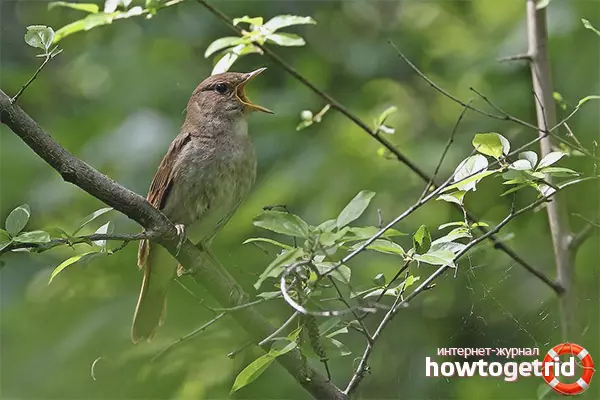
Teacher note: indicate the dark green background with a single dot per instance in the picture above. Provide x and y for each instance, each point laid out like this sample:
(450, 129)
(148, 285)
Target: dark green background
(115, 98)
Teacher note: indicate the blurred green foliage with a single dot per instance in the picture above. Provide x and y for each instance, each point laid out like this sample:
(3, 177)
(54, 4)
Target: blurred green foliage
(115, 97)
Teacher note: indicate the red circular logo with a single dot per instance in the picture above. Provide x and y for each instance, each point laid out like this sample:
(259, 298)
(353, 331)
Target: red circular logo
(568, 388)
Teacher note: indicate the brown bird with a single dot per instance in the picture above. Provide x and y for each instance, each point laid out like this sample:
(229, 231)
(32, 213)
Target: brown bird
(207, 172)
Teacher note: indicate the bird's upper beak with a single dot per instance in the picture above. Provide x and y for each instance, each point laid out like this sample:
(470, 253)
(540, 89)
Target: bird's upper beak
(241, 92)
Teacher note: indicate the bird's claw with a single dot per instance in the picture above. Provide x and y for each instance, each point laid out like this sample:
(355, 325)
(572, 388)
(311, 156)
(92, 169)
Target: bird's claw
(182, 237)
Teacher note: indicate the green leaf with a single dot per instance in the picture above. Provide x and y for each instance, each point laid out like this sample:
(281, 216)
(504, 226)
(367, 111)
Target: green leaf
(39, 36)
(327, 226)
(286, 257)
(68, 262)
(379, 279)
(256, 21)
(281, 347)
(457, 233)
(222, 43)
(331, 238)
(281, 21)
(341, 274)
(107, 228)
(469, 172)
(355, 208)
(454, 247)
(230, 56)
(478, 224)
(329, 325)
(521, 165)
(519, 187)
(87, 7)
(92, 217)
(282, 222)
(252, 371)
(589, 26)
(384, 246)
(491, 144)
(111, 6)
(422, 240)
(438, 257)
(85, 24)
(559, 171)
(366, 232)
(550, 159)
(286, 39)
(455, 197)
(269, 295)
(386, 114)
(586, 99)
(5, 239)
(449, 224)
(17, 219)
(267, 240)
(33, 237)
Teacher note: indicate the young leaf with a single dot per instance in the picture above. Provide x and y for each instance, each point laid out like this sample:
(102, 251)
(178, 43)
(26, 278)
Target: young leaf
(66, 263)
(5, 239)
(87, 7)
(530, 156)
(222, 43)
(491, 144)
(383, 246)
(341, 274)
(438, 257)
(282, 222)
(386, 114)
(541, 4)
(455, 197)
(17, 219)
(550, 159)
(286, 257)
(92, 217)
(355, 208)
(252, 371)
(589, 26)
(286, 39)
(422, 240)
(469, 172)
(365, 232)
(559, 171)
(448, 224)
(33, 237)
(267, 240)
(104, 229)
(281, 21)
(326, 226)
(256, 21)
(39, 36)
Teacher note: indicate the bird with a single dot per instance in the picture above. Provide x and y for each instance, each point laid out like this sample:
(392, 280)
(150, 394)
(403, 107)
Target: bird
(208, 170)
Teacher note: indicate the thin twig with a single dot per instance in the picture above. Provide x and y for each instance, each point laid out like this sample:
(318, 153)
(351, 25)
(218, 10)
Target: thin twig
(14, 99)
(365, 330)
(279, 330)
(86, 239)
(448, 144)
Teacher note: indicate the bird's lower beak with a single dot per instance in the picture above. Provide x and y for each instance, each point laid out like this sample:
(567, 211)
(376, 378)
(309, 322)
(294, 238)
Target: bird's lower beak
(241, 92)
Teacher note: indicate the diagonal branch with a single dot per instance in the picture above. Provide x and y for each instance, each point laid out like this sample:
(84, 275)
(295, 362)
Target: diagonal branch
(205, 270)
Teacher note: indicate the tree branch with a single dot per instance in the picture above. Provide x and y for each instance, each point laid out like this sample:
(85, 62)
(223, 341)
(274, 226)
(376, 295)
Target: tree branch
(546, 116)
(217, 280)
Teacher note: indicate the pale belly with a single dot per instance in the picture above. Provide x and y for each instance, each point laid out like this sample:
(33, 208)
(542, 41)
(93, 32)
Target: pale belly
(209, 189)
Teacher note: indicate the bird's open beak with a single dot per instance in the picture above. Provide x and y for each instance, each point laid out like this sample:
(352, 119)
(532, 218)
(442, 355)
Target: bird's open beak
(240, 92)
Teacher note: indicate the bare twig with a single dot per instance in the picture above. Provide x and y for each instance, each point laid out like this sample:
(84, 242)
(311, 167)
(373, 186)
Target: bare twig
(443, 156)
(359, 319)
(279, 330)
(188, 336)
(86, 239)
(48, 57)
(517, 57)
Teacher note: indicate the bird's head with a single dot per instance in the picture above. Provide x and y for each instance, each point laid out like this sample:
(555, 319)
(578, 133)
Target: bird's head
(225, 94)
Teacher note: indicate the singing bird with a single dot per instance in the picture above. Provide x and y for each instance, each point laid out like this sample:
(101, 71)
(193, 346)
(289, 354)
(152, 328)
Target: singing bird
(207, 172)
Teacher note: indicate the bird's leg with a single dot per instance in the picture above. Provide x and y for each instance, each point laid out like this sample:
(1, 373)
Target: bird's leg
(181, 271)
(182, 237)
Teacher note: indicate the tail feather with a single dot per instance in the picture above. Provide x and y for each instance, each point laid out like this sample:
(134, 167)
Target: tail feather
(151, 306)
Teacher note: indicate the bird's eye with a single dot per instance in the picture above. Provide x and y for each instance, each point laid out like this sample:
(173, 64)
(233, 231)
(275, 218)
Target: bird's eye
(221, 88)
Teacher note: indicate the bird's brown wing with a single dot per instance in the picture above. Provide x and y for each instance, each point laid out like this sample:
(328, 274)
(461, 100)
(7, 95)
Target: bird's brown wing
(161, 185)
(151, 306)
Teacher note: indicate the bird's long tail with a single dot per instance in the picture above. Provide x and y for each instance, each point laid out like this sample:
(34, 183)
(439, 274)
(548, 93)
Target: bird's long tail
(151, 306)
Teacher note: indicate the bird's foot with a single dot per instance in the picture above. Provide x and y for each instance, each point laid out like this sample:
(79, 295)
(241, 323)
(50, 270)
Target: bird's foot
(182, 237)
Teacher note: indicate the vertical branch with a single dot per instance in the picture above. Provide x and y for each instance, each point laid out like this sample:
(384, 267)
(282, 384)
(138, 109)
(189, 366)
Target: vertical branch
(537, 36)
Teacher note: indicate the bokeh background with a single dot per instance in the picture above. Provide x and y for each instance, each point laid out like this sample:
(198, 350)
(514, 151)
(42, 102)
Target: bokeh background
(115, 98)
